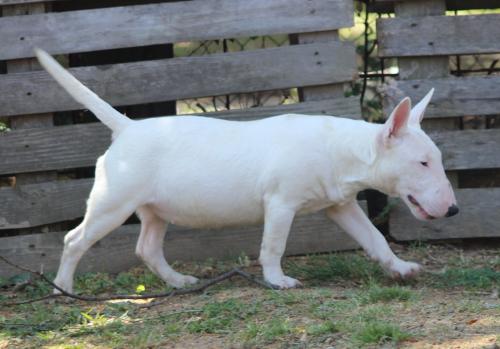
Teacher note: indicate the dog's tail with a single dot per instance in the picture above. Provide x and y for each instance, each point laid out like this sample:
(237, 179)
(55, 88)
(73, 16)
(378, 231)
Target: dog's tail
(112, 118)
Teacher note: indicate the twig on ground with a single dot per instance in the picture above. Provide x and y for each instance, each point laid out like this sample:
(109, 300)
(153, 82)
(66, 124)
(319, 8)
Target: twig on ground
(177, 292)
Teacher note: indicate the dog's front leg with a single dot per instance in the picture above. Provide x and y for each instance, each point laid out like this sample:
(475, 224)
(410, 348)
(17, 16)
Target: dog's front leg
(278, 221)
(353, 220)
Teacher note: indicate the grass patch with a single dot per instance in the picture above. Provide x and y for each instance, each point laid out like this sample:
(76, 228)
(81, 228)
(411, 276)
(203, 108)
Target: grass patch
(336, 266)
(221, 317)
(287, 298)
(379, 332)
(137, 280)
(268, 331)
(482, 278)
(347, 303)
(326, 327)
(36, 318)
(376, 293)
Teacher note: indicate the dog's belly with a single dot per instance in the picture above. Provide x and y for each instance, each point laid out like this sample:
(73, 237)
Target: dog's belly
(209, 214)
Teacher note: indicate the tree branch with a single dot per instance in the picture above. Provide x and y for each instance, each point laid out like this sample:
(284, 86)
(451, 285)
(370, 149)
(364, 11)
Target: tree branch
(177, 292)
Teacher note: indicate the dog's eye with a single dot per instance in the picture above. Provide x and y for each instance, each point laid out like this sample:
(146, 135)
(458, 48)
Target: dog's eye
(424, 163)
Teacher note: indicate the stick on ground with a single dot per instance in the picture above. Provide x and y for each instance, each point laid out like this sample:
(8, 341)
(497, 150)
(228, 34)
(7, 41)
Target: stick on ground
(177, 292)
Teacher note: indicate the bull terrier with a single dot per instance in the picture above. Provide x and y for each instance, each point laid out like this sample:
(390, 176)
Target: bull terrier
(207, 173)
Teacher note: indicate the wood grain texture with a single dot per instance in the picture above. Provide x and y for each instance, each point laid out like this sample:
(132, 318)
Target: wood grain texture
(450, 4)
(310, 234)
(32, 205)
(470, 149)
(320, 92)
(74, 146)
(456, 96)
(26, 65)
(141, 25)
(438, 35)
(478, 217)
(426, 67)
(177, 78)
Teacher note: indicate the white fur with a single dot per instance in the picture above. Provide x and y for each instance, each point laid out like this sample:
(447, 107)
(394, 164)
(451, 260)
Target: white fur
(207, 173)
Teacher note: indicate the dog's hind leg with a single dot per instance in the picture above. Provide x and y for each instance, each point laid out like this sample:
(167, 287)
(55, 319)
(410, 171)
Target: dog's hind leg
(353, 220)
(150, 249)
(277, 224)
(101, 218)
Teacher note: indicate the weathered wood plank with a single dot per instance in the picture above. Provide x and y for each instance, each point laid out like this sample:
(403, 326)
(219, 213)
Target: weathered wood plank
(438, 35)
(18, 2)
(32, 205)
(33, 120)
(456, 96)
(141, 25)
(317, 93)
(75, 146)
(177, 78)
(469, 149)
(387, 5)
(115, 253)
(478, 218)
(426, 67)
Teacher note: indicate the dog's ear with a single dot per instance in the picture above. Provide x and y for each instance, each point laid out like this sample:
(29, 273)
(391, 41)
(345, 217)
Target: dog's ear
(417, 113)
(397, 122)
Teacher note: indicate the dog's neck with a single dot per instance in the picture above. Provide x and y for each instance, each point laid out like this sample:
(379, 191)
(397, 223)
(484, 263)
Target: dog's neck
(357, 152)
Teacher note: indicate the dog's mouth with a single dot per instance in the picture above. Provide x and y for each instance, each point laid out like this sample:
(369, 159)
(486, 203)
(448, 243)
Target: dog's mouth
(419, 208)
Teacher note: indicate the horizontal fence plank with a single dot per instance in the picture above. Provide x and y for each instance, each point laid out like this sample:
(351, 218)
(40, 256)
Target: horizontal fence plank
(43, 203)
(18, 2)
(455, 96)
(177, 78)
(74, 146)
(348, 107)
(478, 218)
(438, 35)
(310, 234)
(388, 5)
(469, 149)
(141, 25)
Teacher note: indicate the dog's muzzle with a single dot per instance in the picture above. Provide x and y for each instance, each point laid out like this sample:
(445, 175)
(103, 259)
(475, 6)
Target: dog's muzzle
(452, 210)
(419, 207)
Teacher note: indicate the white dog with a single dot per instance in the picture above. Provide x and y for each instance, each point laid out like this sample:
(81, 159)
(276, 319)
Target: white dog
(208, 173)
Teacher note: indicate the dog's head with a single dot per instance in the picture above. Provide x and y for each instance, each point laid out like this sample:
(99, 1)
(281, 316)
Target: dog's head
(411, 163)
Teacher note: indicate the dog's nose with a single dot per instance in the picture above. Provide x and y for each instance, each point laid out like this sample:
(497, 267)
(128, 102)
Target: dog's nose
(452, 210)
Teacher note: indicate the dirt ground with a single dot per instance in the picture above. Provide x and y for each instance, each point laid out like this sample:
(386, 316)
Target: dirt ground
(346, 302)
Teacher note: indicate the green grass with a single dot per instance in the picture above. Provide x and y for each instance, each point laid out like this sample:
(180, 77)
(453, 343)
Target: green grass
(335, 267)
(267, 332)
(347, 302)
(376, 293)
(380, 332)
(326, 327)
(481, 278)
(221, 317)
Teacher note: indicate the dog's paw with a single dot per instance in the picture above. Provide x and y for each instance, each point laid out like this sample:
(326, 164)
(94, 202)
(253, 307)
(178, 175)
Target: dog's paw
(404, 270)
(66, 288)
(183, 281)
(285, 282)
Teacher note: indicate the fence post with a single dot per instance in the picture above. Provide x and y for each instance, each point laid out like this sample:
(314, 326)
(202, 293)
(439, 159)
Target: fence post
(33, 120)
(426, 67)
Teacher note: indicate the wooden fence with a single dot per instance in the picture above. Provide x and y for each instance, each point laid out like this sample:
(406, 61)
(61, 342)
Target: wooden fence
(47, 157)
(423, 38)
